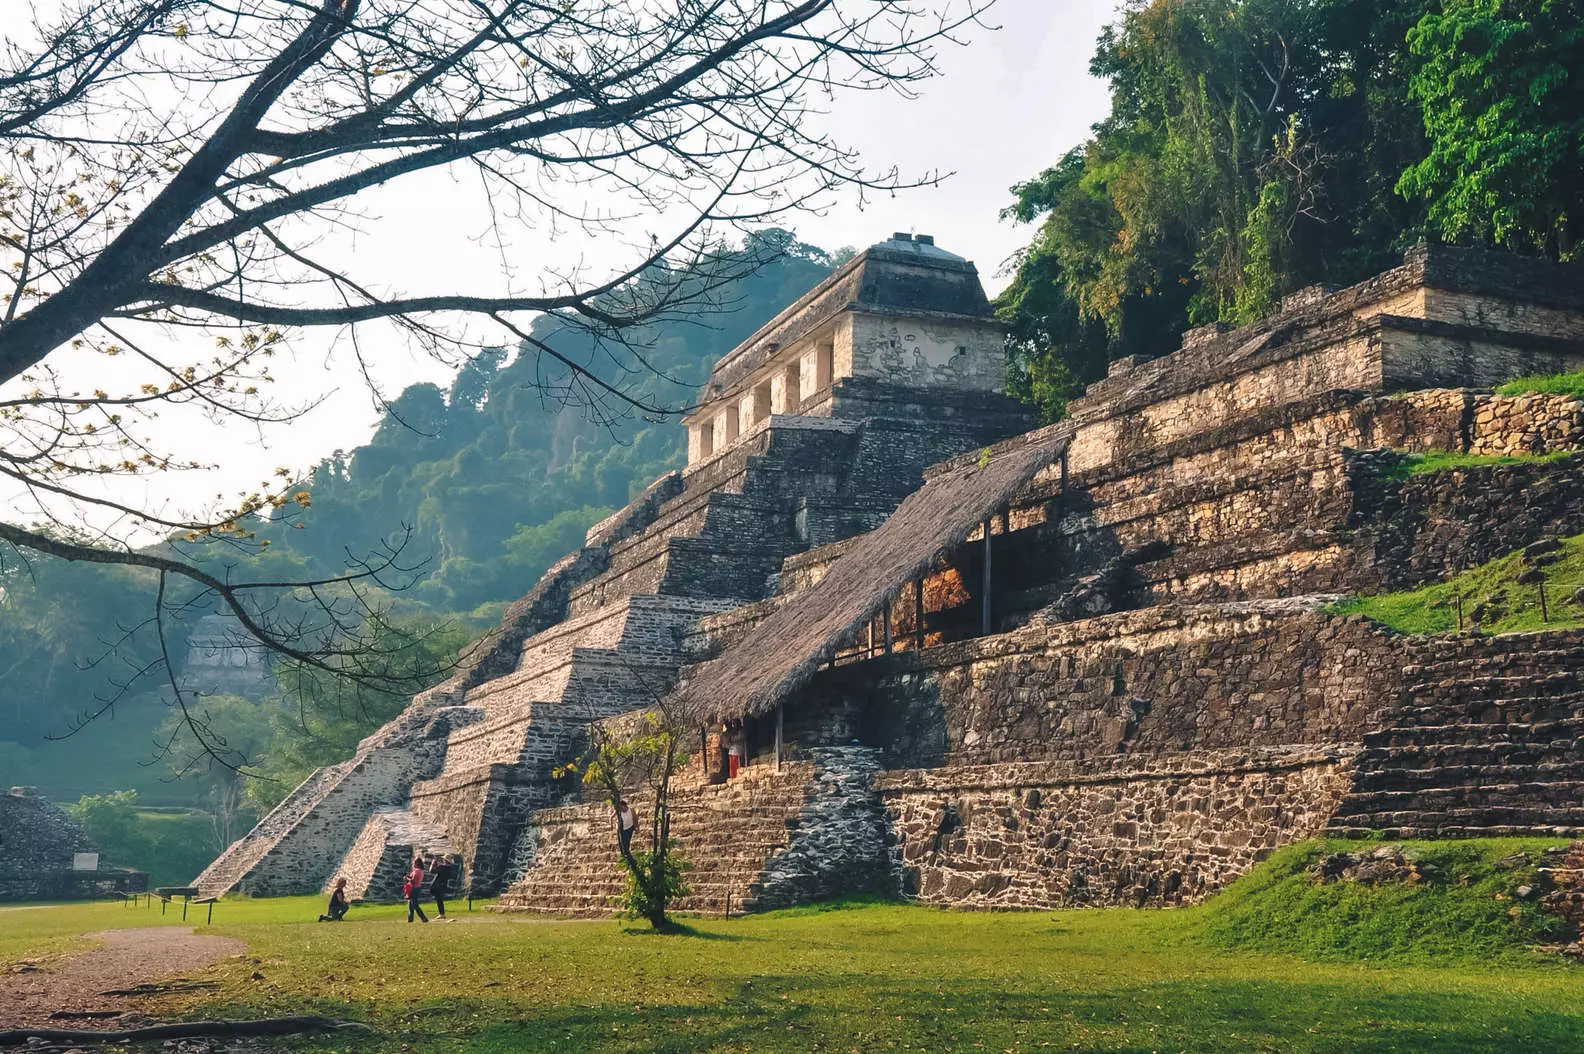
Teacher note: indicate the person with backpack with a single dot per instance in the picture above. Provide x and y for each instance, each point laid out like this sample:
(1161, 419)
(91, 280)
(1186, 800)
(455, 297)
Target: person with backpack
(412, 889)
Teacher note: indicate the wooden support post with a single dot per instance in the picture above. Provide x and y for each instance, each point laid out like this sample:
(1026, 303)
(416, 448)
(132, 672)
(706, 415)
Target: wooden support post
(886, 614)
(918, 614)
(1006, 519)
(779, 717)
(1459, 598)
(869, 639)
(1545, 616)
(984, 606)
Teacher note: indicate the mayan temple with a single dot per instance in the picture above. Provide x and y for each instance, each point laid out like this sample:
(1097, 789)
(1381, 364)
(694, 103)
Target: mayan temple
(979, 665)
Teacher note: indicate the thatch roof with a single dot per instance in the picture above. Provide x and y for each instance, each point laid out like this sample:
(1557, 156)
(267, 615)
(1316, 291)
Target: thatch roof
(780, 654)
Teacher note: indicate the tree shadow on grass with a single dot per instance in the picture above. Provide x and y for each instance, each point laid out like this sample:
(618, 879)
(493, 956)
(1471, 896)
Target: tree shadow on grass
(685, 931)
(1208, 1015)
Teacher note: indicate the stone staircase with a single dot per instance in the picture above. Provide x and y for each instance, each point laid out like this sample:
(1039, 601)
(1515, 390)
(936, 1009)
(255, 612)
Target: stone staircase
(764, 840)
(296, 848)
(242, 855)
(1487, 740)
(383, 851)
(726, 534)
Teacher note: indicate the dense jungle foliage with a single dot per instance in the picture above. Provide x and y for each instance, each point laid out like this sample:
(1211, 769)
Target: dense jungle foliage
(1256, 147)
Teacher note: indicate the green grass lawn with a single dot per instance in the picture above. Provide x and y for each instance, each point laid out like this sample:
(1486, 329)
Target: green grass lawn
(1258, 970)
(1408, 465)
(1432, 609)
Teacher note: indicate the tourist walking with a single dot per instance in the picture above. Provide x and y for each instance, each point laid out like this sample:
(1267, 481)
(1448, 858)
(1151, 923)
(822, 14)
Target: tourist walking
(338, 903)
(444, 872)
(413, 889)
(628, 821)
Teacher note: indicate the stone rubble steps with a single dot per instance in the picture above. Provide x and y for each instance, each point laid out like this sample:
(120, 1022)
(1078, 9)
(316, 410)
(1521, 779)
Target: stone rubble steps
(1489, 688)
(1487, 740)
(1560, 794)
(1497, 656)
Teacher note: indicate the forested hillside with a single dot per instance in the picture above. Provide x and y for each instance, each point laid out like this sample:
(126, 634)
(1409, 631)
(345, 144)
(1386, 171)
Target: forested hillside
(1260, 146)
(495, 477)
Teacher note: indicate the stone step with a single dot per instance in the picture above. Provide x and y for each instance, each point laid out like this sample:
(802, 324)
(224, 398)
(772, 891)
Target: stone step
(1532, 709)
(1463, 777)
(1503, 651)
(1529, 818)
(1505, 732)
(1436, 827)
(1564, 795)
(1497, 686)
(1416, 756)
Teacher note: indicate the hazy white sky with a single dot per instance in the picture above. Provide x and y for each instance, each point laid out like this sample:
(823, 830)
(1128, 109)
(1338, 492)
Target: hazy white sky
(1004, 108)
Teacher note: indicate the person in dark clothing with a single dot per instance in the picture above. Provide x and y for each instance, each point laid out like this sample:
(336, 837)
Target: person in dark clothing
(413, 888)
(444, 872)
(338, 903)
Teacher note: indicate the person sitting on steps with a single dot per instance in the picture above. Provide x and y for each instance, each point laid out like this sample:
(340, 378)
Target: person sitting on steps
(338, 903)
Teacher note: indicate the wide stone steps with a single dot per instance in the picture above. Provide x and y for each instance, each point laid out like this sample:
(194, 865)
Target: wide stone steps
(1488, 740)
(1560, 794)
(1514, 710)
(244, 854)
(1474, 825)
(1484, 772)
(1499, 654)
(1485, 688)
(1473, 736)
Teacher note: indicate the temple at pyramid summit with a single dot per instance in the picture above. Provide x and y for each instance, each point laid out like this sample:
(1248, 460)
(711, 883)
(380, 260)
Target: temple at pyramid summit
(975, 663)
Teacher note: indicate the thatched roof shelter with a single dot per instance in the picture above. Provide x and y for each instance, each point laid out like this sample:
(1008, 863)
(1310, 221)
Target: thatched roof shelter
(780, 654)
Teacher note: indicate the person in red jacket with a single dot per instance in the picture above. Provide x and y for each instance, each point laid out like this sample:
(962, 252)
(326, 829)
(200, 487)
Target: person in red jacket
(413, 889)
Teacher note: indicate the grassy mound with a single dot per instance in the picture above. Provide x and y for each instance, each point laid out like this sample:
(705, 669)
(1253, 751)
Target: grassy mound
(1555, 384)
(1465, 911)
(1515, 607)
(1409, 465)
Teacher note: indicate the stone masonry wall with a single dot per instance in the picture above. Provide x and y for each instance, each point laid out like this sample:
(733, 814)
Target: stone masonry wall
(1158, 680)
(1153, 830)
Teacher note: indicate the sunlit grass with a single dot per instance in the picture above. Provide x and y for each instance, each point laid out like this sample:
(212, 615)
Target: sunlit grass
(1552, 384)
(894, 977)
(1433, 608)
(1408, 465)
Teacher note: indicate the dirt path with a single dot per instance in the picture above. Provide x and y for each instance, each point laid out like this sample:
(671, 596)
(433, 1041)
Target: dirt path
(125, 959)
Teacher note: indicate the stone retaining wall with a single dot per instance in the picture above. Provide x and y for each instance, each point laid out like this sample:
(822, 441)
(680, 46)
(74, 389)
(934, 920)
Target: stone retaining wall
(1168, 829)
(1163, 679)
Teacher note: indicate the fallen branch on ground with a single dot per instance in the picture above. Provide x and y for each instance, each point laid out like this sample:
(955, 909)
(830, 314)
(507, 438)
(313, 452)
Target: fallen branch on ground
(163, 987)
(270, 1026)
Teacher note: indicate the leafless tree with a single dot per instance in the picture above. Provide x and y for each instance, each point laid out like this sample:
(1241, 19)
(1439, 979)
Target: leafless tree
(177, 169)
